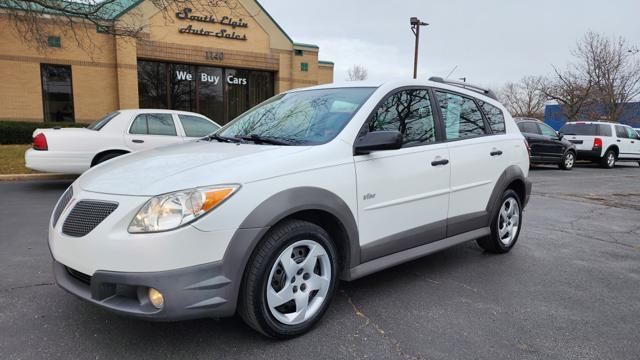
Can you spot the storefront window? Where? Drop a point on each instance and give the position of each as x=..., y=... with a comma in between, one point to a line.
x=237, y=92
x=220, y=94
x=260, y=87
x=57, y=93
x=182, y=90
x=152, y=85
x=211, y=93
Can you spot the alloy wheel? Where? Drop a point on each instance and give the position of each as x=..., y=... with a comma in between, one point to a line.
x=611, y=159
x=508, y=221
x=299, y=282
x=569, y=160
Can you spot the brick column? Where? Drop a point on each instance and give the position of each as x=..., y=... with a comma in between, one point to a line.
x=127, y=73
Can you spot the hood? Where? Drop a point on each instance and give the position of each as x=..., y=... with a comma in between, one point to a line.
x=183, y=166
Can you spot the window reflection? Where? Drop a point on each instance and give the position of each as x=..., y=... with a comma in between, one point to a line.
x=220, y=94
x=410, y=113
x=57, y=93
x=461, y=116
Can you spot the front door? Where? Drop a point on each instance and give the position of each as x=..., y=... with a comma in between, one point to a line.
x=551, y=146
x=152, y=130
x=403, y=195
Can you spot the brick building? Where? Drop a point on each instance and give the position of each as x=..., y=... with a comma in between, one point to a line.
x=218, y=63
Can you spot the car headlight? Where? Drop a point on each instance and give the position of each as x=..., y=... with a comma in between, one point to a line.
x=173, y=210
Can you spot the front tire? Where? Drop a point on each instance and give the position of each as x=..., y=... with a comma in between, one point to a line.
x=609, y=160
x=505, y=225
x=568, y=161
x=290, y=280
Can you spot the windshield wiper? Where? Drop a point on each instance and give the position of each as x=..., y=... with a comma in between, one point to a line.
x=221, y=138
x=265, y=140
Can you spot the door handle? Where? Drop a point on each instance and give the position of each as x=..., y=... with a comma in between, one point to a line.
x=496, y=153
x=619, y=140
x=137, y=141
x=439, y=162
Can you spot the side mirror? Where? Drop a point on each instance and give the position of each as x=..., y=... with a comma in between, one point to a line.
x=560, y=136
x=378, y=140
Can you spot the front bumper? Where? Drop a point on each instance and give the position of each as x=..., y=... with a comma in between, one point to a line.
x=189, y=293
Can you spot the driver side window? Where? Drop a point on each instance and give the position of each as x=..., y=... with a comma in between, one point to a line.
x=407, y=111
x=547, y=131
x=631, y=133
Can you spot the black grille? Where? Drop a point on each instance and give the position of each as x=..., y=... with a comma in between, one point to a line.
x=62, y=204
x=85, y=216
x=79, y=276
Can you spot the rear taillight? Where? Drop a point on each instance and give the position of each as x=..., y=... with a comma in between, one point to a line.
x=40, y=142
x=526, y=144
x=597, y=143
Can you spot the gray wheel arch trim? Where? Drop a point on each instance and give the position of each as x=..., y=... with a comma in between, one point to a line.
x=280, y=206
x=509, y=175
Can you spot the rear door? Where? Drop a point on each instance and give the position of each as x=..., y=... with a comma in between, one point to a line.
x=403, y=194
x=477, y=160
x=531, y=132
x=149, y=130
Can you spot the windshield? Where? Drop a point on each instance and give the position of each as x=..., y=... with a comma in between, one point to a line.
x=309, y=117
x=99, y=124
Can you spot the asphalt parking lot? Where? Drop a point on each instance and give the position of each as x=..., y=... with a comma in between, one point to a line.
x=570, y=289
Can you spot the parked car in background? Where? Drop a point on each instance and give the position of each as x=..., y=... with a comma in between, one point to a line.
x=605, y=143
x=74, y=150
x=546, y=145
x=264, y=217
x=637, y=131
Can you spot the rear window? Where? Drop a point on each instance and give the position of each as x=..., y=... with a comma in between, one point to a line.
x=494, y=117
x=586, y=129
x=99, y=124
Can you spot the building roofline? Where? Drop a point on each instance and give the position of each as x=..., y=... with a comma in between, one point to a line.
x=312, y=46
x=325, y=62
x=127, y=9
x=274, y=21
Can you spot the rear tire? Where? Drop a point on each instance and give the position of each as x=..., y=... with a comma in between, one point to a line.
x=290, y=280
x=609, y=160
x=568, y=161
x=506, y=223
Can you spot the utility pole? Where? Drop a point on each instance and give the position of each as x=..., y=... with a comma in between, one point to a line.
x=415, y=27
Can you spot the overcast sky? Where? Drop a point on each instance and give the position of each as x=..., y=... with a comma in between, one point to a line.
x=491, y=41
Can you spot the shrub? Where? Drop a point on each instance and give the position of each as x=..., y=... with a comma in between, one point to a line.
x=17, y=132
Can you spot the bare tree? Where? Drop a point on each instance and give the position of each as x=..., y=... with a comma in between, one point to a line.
x=357, y=73
x=35, y=20
x=570, y=89
x=615, y=73
x=524, y=98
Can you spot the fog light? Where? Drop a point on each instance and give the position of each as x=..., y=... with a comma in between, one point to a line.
x=156, y=298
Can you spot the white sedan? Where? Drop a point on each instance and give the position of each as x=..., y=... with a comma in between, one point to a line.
x=75, y=150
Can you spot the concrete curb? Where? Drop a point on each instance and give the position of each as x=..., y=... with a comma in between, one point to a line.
x=25, y=177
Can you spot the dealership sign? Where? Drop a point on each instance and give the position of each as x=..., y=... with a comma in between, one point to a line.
x=214, y=79
x=187, y=15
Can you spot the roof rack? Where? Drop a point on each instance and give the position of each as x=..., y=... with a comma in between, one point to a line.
x=465, y=85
